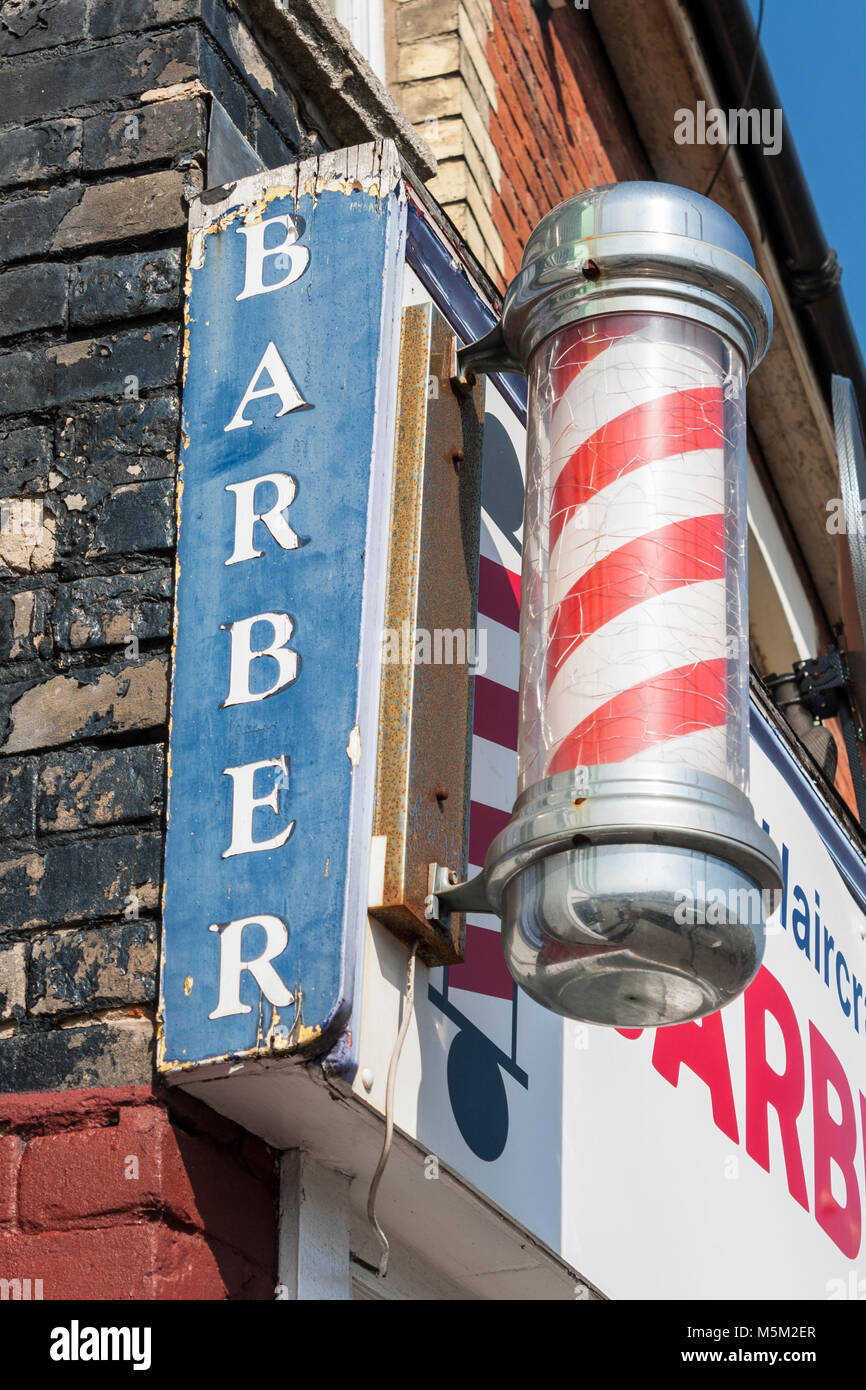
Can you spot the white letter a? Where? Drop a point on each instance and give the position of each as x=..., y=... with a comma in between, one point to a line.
x=282, y=385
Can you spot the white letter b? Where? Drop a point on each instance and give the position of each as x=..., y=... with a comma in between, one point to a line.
x=243, y=654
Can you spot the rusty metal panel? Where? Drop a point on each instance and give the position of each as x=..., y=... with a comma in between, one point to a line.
x=429, y=643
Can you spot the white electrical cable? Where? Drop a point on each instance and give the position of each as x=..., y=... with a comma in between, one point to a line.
x=408, y=1007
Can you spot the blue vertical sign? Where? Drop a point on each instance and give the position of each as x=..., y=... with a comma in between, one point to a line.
x=293, y=310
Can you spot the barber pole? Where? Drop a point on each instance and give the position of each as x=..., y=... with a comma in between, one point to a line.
x=636, y=315
x=644, y=556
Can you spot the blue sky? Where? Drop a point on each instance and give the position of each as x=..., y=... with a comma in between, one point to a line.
x=817, y=54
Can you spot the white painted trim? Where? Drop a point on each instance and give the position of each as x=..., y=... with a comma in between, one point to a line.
x=313, y=1253
x=782, y=570
x=365, y=21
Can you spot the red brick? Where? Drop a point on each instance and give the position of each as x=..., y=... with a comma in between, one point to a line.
x=513, y=248
x=517, y=217
x=11, y=1148
x=119, y=1263
x=192, y=1266
x=146, y=1261
x=79, y=1177
x=561, y=124
x=207, y=1188
x=46, y=1112
x=518, y=172
x=217, y=1180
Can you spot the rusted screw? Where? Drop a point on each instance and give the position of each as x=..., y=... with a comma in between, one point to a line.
x=452, y=876
x=463, y=385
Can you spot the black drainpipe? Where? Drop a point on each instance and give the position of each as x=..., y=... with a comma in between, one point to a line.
x=726, y=33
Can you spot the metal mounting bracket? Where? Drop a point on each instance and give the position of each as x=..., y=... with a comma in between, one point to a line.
x=446, y=895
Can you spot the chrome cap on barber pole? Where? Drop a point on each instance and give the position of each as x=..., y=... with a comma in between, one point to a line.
x=633, y=881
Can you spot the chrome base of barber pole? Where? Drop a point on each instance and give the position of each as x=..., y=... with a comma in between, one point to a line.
x=633, y=900
x=628, y=898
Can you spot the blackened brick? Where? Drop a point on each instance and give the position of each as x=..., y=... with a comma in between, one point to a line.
x=13, y=976
x=219, y=80
x=32, y=297
x=28, y=226
x=109, y=17
x=47, y=87
x=25, y=624
x=236, y=41
x=114, y=287
x=124, y=208
x=32, y=24
x=163, y=131
x=76, y=216
x=100, y=1054
x=25, y=458
x=77, y=971
x=39, y=152
x=90, y=703
x=111, y=610
x=136, y=517
x=88, y=369
x=96, y=786
x=109, y=443
x=269, y=145
x=74, y=882
x=27, y=535
x=17, y=797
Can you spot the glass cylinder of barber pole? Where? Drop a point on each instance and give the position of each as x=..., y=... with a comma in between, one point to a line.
x=633, y=881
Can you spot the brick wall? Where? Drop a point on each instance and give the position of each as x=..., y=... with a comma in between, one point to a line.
x=113, y=114
x=521, y=108
x=107, y=112
x=439, y=73
x=560, y=124
x=111, y=1194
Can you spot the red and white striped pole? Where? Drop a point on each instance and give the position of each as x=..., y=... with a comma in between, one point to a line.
x=643, y=549
x=637, y=315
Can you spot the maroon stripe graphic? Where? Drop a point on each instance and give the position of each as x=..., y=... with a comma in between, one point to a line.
x=499, y=594
x=484, y=971
x=684, y=552
x=495, y=715
x=485, y=823
x=667, y=706
x=680, y=423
